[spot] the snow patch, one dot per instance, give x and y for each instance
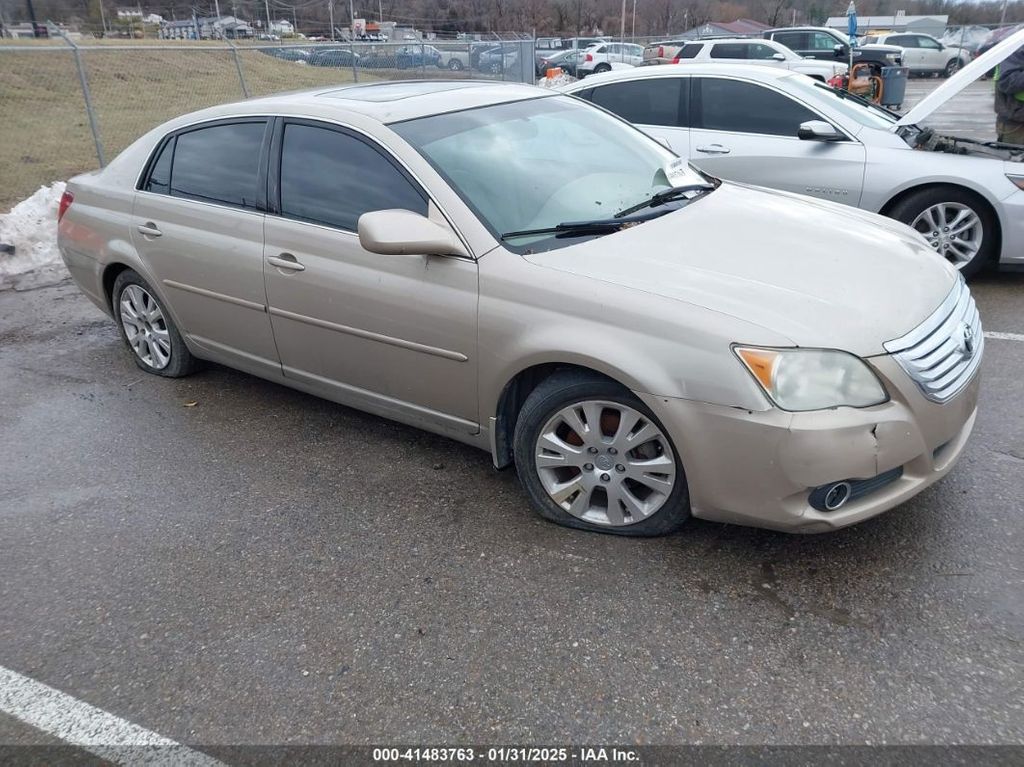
(31, 229)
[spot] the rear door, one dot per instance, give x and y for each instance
(656, 105)
(395, 335)
(198, 227)
(746, 131)
(798, 42)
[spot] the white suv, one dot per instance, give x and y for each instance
(748, 51)
(925, 55)
(603, 57)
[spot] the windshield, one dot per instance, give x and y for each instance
(865, 113)
(535, 164)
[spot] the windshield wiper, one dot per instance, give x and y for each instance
(664, 196)
(573, 228)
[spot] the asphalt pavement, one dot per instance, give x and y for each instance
(222, 560)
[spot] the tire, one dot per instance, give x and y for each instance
(984, 239)
(602, 68)
(133, 294)
(952, 67)
(454, 65)
(662, 511)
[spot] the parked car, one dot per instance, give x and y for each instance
(564, 60)
(832, 45)
(499, 59)
(923, 54)
(662, 52)
(780, 129)
(602, 57)
(597, 318)
(454, 59)
(333, 57)
(287, 53)
(764, 52)
(546, 47)
(417, 56)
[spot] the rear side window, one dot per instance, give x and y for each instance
(741, 107)
(332, 178)
(690, 50)
(218, 164)
(729, 51)
(793, 40)
(160, 173)
(652, 101)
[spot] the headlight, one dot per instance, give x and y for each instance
(812, 379)
(1017, 181)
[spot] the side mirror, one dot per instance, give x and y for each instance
(814, 130)
(402, 232)
(839, 50)
(778, 57)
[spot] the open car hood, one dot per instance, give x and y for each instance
(951, 87)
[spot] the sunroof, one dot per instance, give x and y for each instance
(395, 91)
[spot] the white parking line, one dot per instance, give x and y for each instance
(1004, 336)
(92, 729)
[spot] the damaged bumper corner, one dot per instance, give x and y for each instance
(759, 467)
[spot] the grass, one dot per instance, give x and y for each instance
(45, 134)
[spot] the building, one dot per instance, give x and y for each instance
(282, 28)
(738, 28)
(186, 29)
(900, 22)
(216, 28)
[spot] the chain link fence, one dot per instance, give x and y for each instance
(70, 107)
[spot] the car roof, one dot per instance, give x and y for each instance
(753, 71)
(732, 40)
(384, 102)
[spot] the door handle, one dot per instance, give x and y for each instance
(713, 149)
(149, 229)
(286, 261)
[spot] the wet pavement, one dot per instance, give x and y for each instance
(266, 567)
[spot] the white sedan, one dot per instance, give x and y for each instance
(765, 52)
(780, 129)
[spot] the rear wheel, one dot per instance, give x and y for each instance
(952, 67)
(148, 330)
(592, 456)
(955, 222)
(602, 68)
(454, 65)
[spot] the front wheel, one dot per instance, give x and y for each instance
(454, 65)
(602, 68)
(592, 456)
(955, 222)
(952, 67)
(148, 330)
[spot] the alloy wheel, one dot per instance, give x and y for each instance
(145, 327)
(953, 229)
(605, 463)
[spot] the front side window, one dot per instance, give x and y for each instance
(218, 164)
(332, 178)
(652, 101)
(927, 42)
(819, 41)
(537, 163)
(760, 51)
(741, 107)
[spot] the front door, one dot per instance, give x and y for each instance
(395, 335)
(745, 131)
(198, 227)
(656, 105)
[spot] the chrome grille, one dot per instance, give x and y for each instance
(943, 352)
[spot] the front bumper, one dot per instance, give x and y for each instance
(1012, 220)
(759, 467)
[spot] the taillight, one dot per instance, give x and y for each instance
(65, 202)
(661, 52)
(590, 57)
(675, 60)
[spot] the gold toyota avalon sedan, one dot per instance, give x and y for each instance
(529, 274)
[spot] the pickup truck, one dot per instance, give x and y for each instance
(833, 45)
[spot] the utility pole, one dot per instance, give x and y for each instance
(622, 23)
(266, 4)
(632, 33)
(216, 6)
(1002, 16)
(351, 19)
(330, 15)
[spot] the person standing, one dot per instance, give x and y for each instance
(1010, 99)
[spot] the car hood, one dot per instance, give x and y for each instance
(818, 273)
(951, 87)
